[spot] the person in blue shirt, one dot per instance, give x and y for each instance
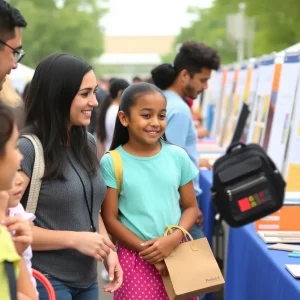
(187, 77)
(157, 177)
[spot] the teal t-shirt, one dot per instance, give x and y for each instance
(149, 199)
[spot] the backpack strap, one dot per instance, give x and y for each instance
(11, 277)
(37, 173)
(118, 168)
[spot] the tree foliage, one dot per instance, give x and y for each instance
(276, 26)
(68, 26)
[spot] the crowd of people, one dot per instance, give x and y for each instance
(81, 216)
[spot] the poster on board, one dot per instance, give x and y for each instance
(206, 109)
(260, 105)
(217, 96)
(272, 106)
(226, 104)
(292, 166)
(237, 101)
(284, 108)
(250, 92)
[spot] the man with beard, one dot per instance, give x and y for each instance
(187, 77)
(11, 53)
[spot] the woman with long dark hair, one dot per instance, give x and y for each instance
(69, 236)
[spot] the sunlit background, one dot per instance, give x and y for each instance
(129, 37)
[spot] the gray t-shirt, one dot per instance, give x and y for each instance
(62, 206)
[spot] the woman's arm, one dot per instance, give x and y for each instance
(24, 284)
(112, 265)
(114, 227)
(44, 239)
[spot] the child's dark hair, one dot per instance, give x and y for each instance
(192, 56)
(129, 99)
(117, 85)
(6, 126)
(137, 79)
(25, 92)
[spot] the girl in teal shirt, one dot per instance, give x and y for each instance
(157, 178)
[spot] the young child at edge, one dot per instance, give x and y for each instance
(15, 209)
(157, 178)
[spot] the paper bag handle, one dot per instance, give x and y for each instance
(170, 229)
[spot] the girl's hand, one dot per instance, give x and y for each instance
(21, 231)
(162, 269)
(160, 248)
(93, 244)
(115, 272)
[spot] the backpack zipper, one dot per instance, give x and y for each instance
(248, 184)
(228, 160)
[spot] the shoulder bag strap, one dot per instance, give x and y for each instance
(37, 174)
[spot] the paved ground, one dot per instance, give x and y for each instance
(103, 296)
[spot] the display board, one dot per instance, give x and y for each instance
(280, 127)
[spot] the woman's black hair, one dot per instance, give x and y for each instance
(163, 76)
(7, 124)
(25, 91)
(116, 86)
(55, 83)
(192, 56)
(129, 99)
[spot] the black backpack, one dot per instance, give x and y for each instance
(246, 183)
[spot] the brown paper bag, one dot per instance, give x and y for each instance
(192, 268)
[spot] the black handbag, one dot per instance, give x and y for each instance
(246, 183)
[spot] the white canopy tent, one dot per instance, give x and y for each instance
(21, 76)
(294, 48)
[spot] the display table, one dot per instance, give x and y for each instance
(206, 204)
(256, 273)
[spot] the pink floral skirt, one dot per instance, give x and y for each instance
(141, 280)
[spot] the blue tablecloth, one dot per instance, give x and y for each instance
(206, 204)
(207, 208)
(256, 273)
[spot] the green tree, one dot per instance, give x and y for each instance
(277, 24)
(209, 28)
(69, 26)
